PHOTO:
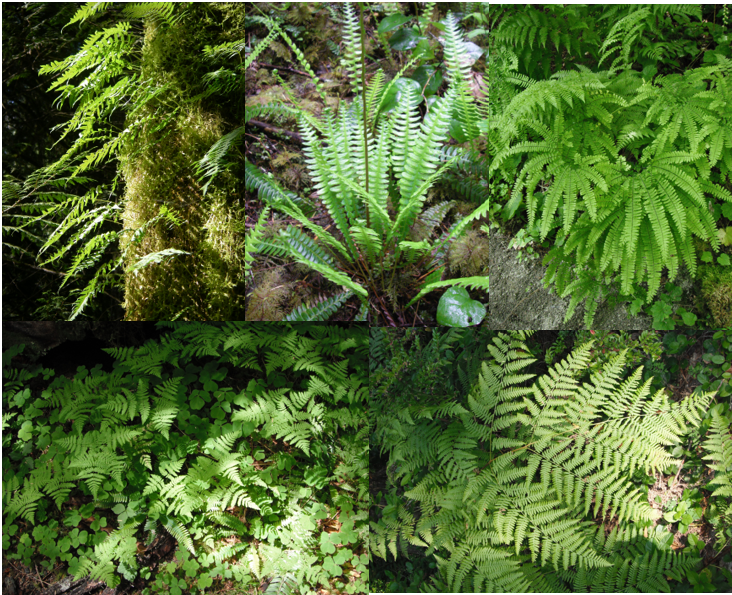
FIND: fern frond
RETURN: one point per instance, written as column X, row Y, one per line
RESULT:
column 320, row 309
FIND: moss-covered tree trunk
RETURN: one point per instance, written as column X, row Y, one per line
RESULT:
column 159, row 168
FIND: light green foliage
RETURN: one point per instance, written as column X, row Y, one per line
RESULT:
column 376, row 194
column 630, row 201
column 719, row 448
column 308, row 395
column 618, row 167
column 524, row 484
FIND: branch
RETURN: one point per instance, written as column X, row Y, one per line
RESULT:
column 274, row 130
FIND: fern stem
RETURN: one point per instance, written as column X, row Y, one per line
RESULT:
column 365, row 127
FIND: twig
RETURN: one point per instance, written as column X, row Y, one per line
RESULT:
column 273, row 129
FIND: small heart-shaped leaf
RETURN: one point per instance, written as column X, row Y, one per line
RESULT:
column 457, row 309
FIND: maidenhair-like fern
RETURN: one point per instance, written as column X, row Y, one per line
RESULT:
column 524, row 485
column 620, row 167
column 373, row 172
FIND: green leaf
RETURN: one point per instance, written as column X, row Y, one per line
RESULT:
column 155, row 257
column 316, row 477
column 21, row 397
column 26, row 431
column 456, row 308
column 392, row 22
column 326, row 545
column 718, row 359
column 429, row 79
column 723, row 259
column 406, row 39
column 331, row 567
column 706, row 257
column 205, row 582
column 689, row 318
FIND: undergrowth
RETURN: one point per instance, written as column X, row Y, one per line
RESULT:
column 246, row 444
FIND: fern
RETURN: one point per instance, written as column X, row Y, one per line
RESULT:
column 505, row 482
column 320, row 309
column 351, row 168
column 632, row 188
column 719, row 446
column 138, row 411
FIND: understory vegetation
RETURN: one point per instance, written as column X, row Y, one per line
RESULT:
column 610, row 143
column 382, row 203
column 566, row 461
column 137, row 214
column 243, row 447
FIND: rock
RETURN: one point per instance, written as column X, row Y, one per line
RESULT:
column 519, row 299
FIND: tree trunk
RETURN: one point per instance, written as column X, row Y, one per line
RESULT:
column 159, row 171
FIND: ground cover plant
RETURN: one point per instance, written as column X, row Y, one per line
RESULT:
column 387, row 162
column 610, row 148
column 223, row 457
column 542, row 462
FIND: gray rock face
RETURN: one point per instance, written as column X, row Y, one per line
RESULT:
column 519, row 299
column 9, row 586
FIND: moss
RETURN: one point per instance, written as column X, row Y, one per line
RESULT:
column 159, row 169
column 717, row 293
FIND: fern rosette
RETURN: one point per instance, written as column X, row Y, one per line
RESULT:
column 373, row 171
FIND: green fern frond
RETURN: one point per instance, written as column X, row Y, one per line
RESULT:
column 320, row 309
column 213, row 162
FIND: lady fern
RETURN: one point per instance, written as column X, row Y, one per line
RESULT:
column 524, row 484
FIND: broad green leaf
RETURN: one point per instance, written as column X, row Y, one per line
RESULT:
column 392, row 22
column 406, row 39
column 456, row 308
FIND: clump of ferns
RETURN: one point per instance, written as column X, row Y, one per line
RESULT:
column 373, row 172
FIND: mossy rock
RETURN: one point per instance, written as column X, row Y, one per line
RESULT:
column 717, row 293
